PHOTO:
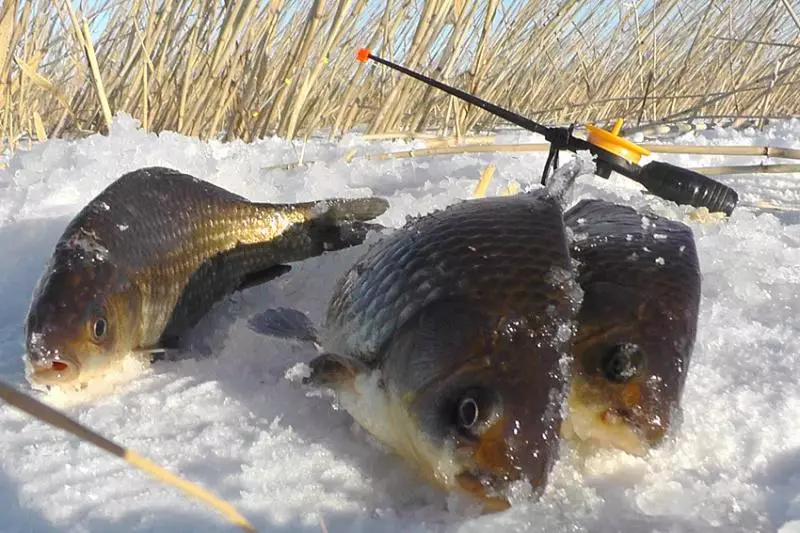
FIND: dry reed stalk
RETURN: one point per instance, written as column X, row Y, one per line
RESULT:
column 84, row 41
column 792, row 13
column 460, row 141
column 20, row 83
column 43, row 83
column 250, row 68
column 483, row 183
column 450, row 150
column 184, row 88
column 7, row 25
column 145, row 110
column 511, row 189
column 771, row 206
column 459, row 17
column 98, row 79
column 41, row 134
column 334, row 33
column 748, row 169
column 53, row 417
column 766, row 151
column 747, row 41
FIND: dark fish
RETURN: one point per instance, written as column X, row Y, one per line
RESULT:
column 637, row 325
column 448, row 342
column 152, row 253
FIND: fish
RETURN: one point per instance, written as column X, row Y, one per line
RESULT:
column 448, row 342
column 637, row 326
column 151, row 254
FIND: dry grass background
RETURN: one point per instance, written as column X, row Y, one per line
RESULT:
column 249, row 68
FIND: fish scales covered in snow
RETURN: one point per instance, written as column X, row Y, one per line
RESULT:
column 448, row 342
column 150, row 255
column 637, row 325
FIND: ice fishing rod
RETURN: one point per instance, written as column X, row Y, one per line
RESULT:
column 671, row 182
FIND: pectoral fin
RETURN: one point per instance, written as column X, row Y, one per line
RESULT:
column 284, row 323
column 334, row 371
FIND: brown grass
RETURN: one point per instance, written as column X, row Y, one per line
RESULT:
column 248, row 68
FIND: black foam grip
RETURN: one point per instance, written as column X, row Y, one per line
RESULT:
column 684, row 186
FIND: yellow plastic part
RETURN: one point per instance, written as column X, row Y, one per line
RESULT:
column 610, row 141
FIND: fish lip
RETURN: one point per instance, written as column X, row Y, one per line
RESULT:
column 56, row 370
column 609, row 428
column 631, row 425
column 634, row 426
column 646, row 426
column 485, row 487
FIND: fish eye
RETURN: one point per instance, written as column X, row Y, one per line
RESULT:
column 468, row 413
column 476, row 410
column 622, row 363
column 99, row 328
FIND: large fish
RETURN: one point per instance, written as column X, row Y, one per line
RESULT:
column 448, row 342
column 152, row 253
column 637, row 325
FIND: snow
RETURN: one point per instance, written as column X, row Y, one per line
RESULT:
column 234, row 418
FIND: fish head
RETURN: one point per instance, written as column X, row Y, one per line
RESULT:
column 483, row 397
column 79, row 322
column 631, row 357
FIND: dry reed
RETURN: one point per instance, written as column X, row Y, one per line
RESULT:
column 246, row 69
column 45, row 413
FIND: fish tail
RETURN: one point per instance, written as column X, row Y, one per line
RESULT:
column 344, row 234
column 337, row 223
column 347, row 209
column 267, row 236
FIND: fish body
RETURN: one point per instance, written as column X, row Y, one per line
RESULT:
column 447, row 341
column 150, row 255
column 637, row 325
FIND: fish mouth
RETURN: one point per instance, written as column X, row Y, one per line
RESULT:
column 604, row 429
column 629, row 419
column 490, row 468
column 55, row 372
column 613, row 427
column 480, row 486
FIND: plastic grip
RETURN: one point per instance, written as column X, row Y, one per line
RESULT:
column 684, row 186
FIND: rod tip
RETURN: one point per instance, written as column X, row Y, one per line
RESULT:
column 363, row 54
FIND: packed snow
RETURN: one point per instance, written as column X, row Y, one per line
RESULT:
column 232, row 416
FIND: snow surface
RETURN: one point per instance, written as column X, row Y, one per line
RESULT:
column 231, row 420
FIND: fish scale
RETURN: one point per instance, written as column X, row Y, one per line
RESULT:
column 473, row 253
column 618, row 233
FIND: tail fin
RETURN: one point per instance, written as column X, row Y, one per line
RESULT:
column 338, row 223
column 344, row 235
column 349, row 209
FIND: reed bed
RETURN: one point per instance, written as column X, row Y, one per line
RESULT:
column 243, row 69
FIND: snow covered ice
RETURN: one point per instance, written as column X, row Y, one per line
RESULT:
column 234, row 420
